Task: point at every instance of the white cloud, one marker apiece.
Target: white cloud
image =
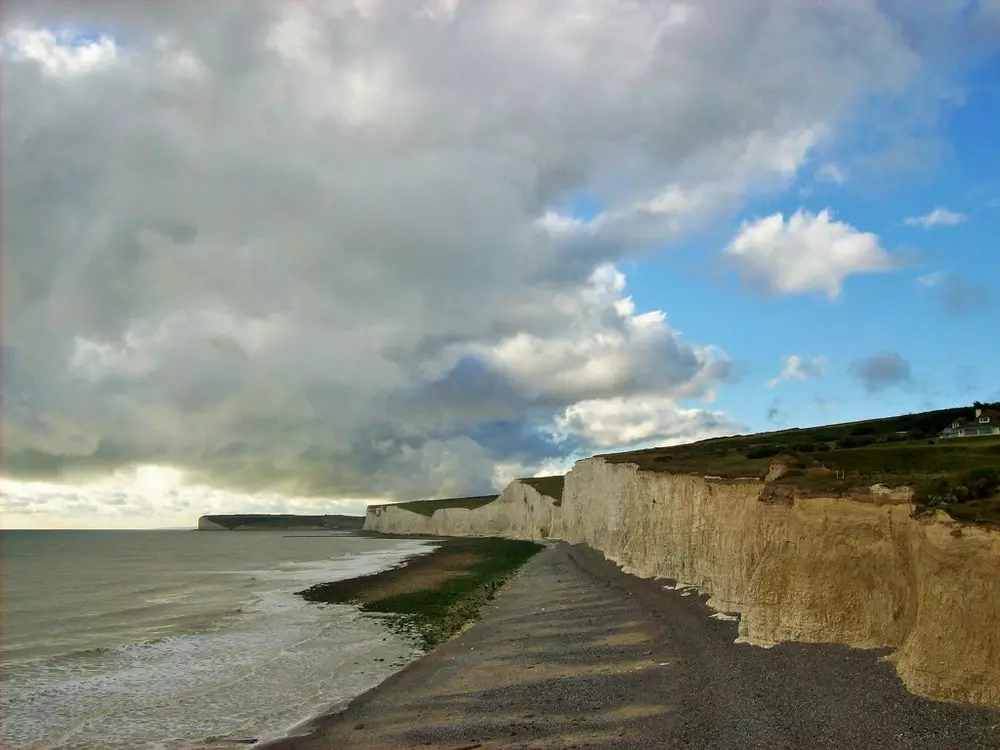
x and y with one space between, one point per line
931 279
60 54
600 346
641 420
807 253
712 182
798 367
939 217
300 247
143 497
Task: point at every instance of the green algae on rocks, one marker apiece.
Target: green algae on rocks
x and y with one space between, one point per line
436 594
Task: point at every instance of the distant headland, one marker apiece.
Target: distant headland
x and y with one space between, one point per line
277 521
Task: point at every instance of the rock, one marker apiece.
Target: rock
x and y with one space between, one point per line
778 493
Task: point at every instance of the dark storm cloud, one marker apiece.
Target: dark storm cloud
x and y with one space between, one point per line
880 371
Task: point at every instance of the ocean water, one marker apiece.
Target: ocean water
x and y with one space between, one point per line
182 639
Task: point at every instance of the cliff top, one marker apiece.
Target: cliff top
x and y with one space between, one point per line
548 486
961 476
427 507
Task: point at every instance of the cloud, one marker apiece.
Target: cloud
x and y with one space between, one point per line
713 183
322 249
956 295
137 498
931 279
642 420
775 413
807 253
939 217
60 55
880 371
832 173
800 368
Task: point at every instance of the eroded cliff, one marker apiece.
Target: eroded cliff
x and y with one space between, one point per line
860 571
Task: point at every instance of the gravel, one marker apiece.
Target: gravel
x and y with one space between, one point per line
575 653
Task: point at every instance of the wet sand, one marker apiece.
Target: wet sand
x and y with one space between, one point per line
574 653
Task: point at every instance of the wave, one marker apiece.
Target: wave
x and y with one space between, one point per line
258 660
48 652
264 592
188 687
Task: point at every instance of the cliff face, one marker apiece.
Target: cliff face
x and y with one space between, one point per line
520 512
863 573
813 570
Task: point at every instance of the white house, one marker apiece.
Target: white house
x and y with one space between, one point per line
986 422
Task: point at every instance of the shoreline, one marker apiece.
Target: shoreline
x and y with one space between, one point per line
435 593
433 596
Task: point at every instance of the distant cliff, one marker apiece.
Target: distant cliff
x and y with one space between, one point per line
524 510
277 521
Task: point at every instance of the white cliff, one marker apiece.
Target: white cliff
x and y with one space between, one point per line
860 571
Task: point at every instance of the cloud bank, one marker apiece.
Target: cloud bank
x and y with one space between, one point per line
324 248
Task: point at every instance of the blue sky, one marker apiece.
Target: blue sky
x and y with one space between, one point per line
954 355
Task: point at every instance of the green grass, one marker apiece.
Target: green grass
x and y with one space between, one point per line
843 459
548 486
977 511
427 507
437 613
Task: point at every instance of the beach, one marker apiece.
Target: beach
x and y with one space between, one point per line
575 653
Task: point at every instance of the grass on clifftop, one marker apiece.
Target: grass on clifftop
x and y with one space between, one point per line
428 507
435 594
951 474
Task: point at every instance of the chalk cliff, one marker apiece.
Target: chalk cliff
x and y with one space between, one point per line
859 571
521 511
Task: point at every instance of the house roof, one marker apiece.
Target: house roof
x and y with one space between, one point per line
991 413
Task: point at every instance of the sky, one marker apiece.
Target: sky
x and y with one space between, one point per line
269 257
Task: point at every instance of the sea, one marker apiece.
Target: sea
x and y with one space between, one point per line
184 639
